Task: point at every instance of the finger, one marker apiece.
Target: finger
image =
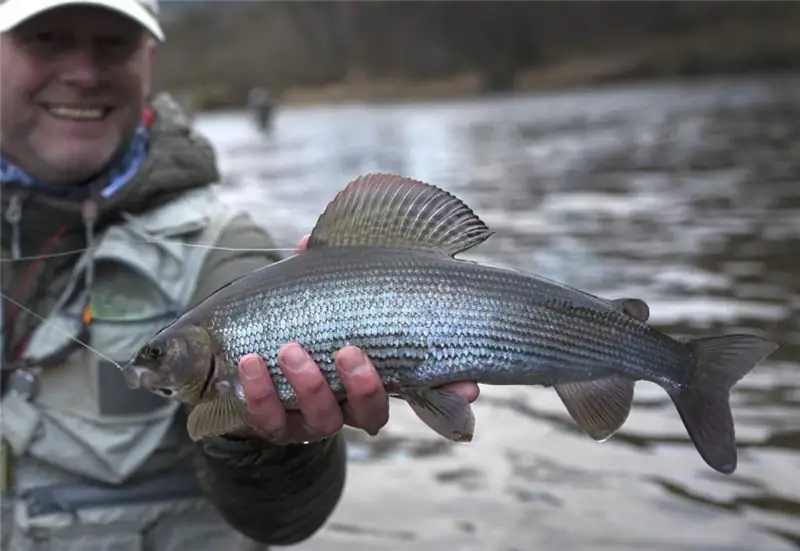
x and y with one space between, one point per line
294 430
265 409
321 411
367 403
302 244
470 391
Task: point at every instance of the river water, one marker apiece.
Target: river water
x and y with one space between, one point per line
685 195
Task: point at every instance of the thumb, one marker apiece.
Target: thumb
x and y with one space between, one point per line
302 244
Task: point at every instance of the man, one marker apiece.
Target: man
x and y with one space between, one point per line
261 104
108 212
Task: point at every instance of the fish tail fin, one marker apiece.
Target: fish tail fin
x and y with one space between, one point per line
704 401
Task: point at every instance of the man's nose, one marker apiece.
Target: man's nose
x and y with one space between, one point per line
80 67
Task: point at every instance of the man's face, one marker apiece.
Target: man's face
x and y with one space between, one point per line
74 82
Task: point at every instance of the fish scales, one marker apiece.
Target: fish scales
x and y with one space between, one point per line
426 319
380 273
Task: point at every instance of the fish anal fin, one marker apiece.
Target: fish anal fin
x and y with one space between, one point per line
223 414
390 210
600 407
447 413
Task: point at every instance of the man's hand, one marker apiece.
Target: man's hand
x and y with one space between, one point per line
320 415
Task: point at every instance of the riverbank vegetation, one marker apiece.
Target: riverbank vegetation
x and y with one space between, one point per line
308 51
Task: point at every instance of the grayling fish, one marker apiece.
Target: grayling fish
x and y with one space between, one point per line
380 273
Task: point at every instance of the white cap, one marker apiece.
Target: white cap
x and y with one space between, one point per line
144 12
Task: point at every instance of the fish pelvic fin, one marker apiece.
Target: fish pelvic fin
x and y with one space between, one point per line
447 413
704 401
385 209
599 407
223 414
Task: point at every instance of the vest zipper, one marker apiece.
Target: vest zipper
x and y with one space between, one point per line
89 213
13 217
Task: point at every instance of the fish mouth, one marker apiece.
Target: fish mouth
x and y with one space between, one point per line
133 375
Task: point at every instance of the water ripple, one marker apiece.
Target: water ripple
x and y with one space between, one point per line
684 195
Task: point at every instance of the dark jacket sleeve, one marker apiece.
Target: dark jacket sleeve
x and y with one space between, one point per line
277 495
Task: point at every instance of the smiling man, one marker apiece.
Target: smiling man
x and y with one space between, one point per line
89 169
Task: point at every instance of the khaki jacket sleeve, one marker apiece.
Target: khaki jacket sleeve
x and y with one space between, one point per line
276 495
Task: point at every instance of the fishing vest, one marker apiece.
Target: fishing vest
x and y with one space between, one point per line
96 464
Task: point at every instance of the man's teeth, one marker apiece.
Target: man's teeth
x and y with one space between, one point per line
81 113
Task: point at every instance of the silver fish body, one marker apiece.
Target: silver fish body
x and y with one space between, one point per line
425 319
380 273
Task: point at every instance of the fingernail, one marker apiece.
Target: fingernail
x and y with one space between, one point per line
251 369
353 363
295 358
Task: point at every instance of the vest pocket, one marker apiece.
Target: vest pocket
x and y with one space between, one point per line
167 512
143 273
91 423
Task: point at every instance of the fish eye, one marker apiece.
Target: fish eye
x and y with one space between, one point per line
152 352
166 392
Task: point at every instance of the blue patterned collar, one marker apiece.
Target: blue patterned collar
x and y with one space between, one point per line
118 175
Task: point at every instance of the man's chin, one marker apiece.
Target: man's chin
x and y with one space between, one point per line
77 167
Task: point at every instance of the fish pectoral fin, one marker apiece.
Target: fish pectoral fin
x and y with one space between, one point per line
447 413
634 307
385 209
222 415
599 407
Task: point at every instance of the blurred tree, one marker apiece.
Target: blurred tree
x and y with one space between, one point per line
235 46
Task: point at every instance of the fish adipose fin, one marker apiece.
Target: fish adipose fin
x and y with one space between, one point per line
599 407
384 209
634 307
222 415
703 402
447 413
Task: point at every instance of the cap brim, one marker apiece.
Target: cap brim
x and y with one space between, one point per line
15 12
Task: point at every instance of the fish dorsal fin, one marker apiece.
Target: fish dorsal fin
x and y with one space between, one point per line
634 307
390 210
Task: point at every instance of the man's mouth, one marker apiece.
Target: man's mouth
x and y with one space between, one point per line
78 113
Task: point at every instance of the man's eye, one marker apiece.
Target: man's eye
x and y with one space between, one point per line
49 37
116 41
46 41
116 48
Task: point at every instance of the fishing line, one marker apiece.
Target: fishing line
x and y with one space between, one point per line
59 329
157 241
